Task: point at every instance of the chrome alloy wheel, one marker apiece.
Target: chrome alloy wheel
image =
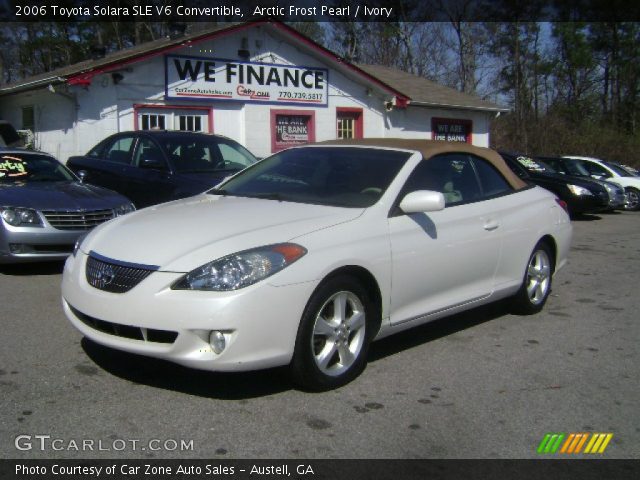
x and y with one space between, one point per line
338 333
538 277
633 199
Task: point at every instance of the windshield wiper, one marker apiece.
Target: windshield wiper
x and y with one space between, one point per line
218 191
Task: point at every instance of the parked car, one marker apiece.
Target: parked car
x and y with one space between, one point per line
307 256
634 172
582 195
9 137
44 208
151 167
572 167
603 170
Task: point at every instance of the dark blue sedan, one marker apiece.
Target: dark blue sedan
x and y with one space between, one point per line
155 166
44 208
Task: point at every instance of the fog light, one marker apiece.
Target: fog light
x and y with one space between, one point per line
217 341
17 248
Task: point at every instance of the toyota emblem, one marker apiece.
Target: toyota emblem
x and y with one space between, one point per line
104 275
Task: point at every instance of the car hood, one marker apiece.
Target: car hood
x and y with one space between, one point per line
205 179
585 182
59 195
561 179
182 235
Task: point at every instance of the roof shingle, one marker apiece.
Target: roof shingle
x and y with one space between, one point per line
422 91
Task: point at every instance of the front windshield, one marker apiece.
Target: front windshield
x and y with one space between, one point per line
339 176
189 155
575 167
567 167
619 170
20 168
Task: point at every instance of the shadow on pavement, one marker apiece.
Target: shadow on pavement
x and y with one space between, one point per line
585 217
166 375
436 329
25 269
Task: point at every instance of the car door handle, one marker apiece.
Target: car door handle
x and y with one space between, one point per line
491 225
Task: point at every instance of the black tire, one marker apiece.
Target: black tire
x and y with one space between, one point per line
633 199
536 282
331 347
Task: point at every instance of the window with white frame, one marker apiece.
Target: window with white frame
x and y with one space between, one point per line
166 118
348 123
191 123
152 121
346 127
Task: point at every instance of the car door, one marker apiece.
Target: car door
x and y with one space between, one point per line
105 164
148 179
445 258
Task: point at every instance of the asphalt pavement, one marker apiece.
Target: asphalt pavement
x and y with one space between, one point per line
483 384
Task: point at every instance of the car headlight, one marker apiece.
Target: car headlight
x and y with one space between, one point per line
576 190
17 216
123 209
241 269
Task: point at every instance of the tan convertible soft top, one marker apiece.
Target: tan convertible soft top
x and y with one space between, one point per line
430 148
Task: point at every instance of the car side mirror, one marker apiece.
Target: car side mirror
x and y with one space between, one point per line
422 201
82 174
152 163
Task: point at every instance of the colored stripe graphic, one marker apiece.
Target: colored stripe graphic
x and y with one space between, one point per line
574 443
550 443
598 443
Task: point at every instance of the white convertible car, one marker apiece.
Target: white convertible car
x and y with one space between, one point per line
307 256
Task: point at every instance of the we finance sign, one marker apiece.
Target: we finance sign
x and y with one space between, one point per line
219 79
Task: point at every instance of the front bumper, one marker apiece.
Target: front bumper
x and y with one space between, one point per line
587 204
35 244
260 322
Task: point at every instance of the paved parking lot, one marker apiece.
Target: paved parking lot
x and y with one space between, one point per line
481 384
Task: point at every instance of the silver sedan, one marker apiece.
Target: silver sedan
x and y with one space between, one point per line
44 208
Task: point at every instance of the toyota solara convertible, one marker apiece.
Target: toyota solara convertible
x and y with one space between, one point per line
307 256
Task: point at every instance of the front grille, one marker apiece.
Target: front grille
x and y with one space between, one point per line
52 248
126 331
79 220
114 276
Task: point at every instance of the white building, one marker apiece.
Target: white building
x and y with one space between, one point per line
262 84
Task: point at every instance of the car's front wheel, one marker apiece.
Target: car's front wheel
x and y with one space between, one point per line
334 335
633 198
536 285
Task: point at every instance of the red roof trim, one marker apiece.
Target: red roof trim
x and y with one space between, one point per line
85 78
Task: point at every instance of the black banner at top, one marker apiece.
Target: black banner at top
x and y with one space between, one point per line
326 11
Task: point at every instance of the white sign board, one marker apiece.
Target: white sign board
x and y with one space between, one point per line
197 78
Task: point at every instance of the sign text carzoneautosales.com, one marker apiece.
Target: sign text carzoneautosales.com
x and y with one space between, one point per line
219 79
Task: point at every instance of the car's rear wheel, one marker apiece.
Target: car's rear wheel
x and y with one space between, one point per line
334 335
633 198
536 285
